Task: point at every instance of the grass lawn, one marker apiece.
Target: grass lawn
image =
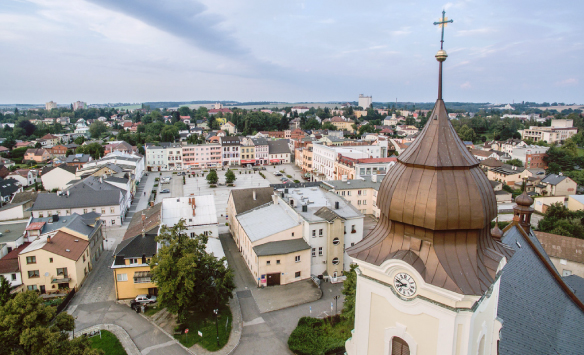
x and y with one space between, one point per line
205 323
108 342
152 311
315 336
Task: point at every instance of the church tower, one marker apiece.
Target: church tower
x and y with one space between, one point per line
428 276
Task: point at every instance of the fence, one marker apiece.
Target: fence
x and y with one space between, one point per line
66 301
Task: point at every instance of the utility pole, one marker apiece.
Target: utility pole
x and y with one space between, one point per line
336 298
216 311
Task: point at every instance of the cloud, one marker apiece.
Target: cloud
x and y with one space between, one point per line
567 82
474 32
189 20
466 85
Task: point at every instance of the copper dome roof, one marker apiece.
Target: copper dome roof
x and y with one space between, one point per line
437 204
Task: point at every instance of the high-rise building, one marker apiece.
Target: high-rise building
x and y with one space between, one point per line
50 105
365 101
79 105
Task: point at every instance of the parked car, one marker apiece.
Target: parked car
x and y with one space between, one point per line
164 191
284 179
145 299
277 173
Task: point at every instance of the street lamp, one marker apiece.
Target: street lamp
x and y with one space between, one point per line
336 298
216 311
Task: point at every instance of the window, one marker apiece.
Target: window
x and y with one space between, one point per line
364 192
359 202
41 215
292 233
399 347
62 271
364 202
85 271
336 261
313 252
319 251
103 211
133 261
336 241
566 272
344 229
84 210
192 234
314 232
297 274
277 262
112 210
13 277
31 259
268 262
33 274
122 277
297 258
352 244
113 222
320 232
358 192
353 230
32 287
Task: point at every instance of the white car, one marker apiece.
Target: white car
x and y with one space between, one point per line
145 299
277 173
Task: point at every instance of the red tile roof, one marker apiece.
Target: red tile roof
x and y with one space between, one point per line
35 226
66 245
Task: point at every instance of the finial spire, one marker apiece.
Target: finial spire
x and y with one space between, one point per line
441 55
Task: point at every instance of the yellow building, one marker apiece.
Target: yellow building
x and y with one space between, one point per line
53 263
132 256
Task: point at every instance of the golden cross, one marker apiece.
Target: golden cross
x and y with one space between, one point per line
442 23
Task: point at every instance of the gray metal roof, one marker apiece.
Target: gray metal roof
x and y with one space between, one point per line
327 213
243 198
8 187
135 247
355 184
281 247
576 283
77 199
539 318
279 146
553 179
76 222
259 141
11 232
78 158
266 220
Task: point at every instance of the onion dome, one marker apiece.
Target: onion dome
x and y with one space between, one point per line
524 200
496 232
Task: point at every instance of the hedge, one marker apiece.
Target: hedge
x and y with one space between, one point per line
311 337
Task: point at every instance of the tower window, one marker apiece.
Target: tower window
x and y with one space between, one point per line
399 347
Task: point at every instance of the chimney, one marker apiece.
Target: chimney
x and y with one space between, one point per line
374 177
143 217
49 239
151 203
344 178
336 205
254 195
304 208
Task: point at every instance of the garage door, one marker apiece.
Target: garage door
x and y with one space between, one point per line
273 279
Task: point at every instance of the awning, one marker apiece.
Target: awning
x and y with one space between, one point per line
251 161
142 274
60 281
274 160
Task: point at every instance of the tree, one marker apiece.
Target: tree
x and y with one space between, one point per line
329 126
229 176
560 220
28 127
349 291
4 290
30 327
466 133
184 111
97 128
515 162
570 148
212 177
38 145
69 152
79 140
189 278
96 150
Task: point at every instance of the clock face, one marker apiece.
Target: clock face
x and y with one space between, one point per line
404 284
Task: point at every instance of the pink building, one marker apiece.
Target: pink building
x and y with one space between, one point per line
201 156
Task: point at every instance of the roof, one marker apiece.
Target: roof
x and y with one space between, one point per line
78 158
85 224
176 208
9 263
579 198
327 214
77 199
259 141
35 226
553 179
559 246
8 186
266 220
135 247
117 180
64 166
507 169
279 146
491 162
281 247
243 198
576 283
494 183
538 314
481 153
11 232
36 151
63 244
356 184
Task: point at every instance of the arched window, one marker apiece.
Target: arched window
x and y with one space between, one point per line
482 346
399 346
336 261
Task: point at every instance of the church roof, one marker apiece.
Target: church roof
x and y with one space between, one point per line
437 203
539 312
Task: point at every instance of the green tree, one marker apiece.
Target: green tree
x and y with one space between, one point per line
184 111
4 290
466 133
570 148
97 128
329 126
79 140
96 150
515 162
189 278
560 220
212 177
349 291
30 327
229 176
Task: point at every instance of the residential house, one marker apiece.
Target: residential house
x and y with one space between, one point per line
556 185
131 164
57 150
508 174
279 151
12 235
243 200
576 202
50 264
18 208
566 253
341 123
231 150
361 192
262 151
78 160
4 171
39 155
484 154
10 268
199 215
229 127
49 141
8 187
200 155
25 177
559 131
57 177
120 146
248 154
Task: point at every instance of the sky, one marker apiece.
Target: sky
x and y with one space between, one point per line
102 51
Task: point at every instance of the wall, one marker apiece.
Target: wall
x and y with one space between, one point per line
13 283
287 267
75 269
16 212
129 289
57 179
112 217
567 267
540 202
574 205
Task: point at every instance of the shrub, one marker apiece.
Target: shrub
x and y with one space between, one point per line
155 185
262 175
318 337
289 176
174 173
157 179
296 181
212 185
227 223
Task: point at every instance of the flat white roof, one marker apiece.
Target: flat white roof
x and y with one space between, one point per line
266 220
175 208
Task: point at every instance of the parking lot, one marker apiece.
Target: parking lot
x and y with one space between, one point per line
197 185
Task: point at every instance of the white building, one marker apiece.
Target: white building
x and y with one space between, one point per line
324 157
79 105
522 152
365 101
559 131
50 105
200 217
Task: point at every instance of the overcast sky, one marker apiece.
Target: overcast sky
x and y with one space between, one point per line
102 51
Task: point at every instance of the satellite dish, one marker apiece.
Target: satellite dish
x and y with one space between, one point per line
46 274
